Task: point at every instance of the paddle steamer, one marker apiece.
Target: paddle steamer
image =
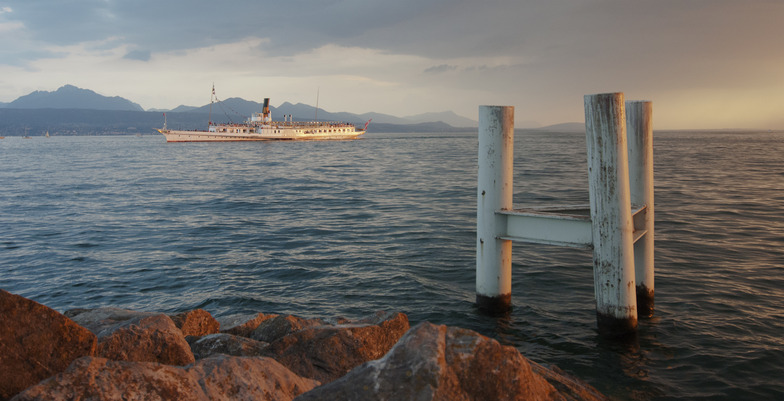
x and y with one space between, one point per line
260 127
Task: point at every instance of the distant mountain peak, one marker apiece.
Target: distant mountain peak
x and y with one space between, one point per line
448 117
69 87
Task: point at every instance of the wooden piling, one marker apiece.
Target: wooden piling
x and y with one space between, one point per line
639 127
612 228
494 192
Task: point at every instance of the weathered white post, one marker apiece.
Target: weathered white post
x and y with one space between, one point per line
494 192
639 127
612 228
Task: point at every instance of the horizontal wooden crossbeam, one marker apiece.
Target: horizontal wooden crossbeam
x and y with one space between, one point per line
559 225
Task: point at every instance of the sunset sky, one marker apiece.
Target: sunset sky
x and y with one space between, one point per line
703 63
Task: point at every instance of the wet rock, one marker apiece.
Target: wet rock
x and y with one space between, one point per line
242 325
145 339
215 378
103 321
197 322
442 363
222 343
36 342
327 352
569 386
280 326
127 335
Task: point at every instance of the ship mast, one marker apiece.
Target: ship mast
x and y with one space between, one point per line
212 98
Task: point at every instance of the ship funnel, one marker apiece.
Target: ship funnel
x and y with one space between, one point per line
265 112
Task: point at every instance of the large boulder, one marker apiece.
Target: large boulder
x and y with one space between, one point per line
104 321
327 352
36 342
222 343
197 322
146 339
216 378
443 363
242 324
278 327
127 335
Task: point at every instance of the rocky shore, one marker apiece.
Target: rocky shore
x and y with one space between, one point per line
118 354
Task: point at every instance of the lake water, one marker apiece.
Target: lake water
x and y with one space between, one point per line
320 229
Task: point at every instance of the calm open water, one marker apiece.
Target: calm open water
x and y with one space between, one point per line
388 222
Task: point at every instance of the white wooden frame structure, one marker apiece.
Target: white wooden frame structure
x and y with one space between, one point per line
617 225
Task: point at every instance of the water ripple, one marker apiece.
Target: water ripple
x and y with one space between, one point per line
388 222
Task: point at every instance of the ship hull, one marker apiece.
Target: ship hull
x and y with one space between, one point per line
208 136
261 127
205 136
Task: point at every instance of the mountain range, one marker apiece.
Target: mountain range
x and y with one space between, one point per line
75 111
237 109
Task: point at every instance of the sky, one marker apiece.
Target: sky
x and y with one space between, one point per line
705 64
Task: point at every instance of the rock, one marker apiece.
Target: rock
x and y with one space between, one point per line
443 363
103 321
215 378
222 343
242 325
571 387
146 339
197 322
280 326
127 335
326 353
36 342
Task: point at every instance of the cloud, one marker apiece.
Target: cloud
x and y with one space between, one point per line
539 55
440 29
439 69
293 26
141 55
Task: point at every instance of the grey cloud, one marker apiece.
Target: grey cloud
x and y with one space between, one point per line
61 22
292 26
563 42
438 69
436 28
141 55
